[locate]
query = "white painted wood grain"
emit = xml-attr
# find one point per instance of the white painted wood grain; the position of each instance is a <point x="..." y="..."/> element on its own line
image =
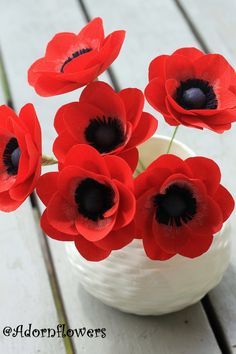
<point x="153" y="27"/>
<point x="25" y="294"/>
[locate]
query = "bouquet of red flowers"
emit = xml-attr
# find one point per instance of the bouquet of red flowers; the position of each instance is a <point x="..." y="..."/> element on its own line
<point x="98" y="197"/>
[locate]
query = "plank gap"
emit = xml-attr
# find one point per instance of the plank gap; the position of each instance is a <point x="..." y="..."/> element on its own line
<point x="192" y="27"/>
<point x="110" y="71"/>
<point x="53" y="280"/>
<point x="216" y="326"/>
<point x="5" y="83"/>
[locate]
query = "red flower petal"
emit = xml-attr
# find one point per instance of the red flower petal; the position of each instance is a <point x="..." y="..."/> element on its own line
<point x="190" y="52"/>
<point x="62" y="144"/>
<point x="157" y="67"/>
<point x="61" y="45"/>
<point x="59" y="123"/>
<point x="47" y="186"/>
<point x="81" y="63"/>
<point x="22" y="190"/>
<point x="170" y="238"/>
<point x="179" y="67"/>
<point x="150" y="179"/>
<point x="131" y="157"/>
<point x="196" y="245"/>
<point x="88" y="158"/>
<point x="29" y="159"/>
<point x="144" y="214"/>
<point x="110" y="49"/>
<point x="6" y="181"/>
<point x="171" y="162"/>
<point x="51" y="231"/>
<point x="77" y="117"/>
<point x="112" y="106"/>
<point x="146" y="127"/>
<point x="226" y="99"/>
<point x="92" y="32"/>
<point x="118" y="239"/>
<point x="208" y="218"/>
<point x="206" y="170"/>
<point x="28" y="116"/>
<point x="8" y="204"/>
<point x="42" y="66"/>
<point x="127" y="204"/>
<point x="153" y="250"/>
<point x="213" y="67"/>
<point x="225" y="201"/>
<point x="220" y="119"/>
<point x="133" y="101"/>
<point x="90" y="251"/>
<point x="62" y="215"/>
<point x="155" y="93"/>
<point x="94" y="230"/>
<point x="49" y="84"/>
<point x="119" y="170"/>
<point x="171" y="120"/>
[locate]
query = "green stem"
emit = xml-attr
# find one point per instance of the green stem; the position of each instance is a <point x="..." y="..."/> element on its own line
<point x="48" y="160"/>
<point x="172" y="139"/>
<point x="141" y="165"/>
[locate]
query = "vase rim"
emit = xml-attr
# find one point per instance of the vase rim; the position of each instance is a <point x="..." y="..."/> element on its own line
<point x="175" y="142"/>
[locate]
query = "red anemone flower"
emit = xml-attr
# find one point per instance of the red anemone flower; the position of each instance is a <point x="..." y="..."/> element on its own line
<point x="180" y="205"/>
<point x="72" y="61"/>
<point x="113" y="123"/>
<point x="192" y="88"/>
<point x="20" y="149"/>
<point x="90" y="201"/>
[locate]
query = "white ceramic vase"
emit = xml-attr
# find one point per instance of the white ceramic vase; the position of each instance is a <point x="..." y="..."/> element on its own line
<point x="131" y="282"/>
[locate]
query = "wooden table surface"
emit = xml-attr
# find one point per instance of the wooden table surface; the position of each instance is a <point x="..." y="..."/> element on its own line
<point x="38" y="285"/>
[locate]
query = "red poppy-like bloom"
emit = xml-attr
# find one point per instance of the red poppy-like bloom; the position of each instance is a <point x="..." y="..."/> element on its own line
<point x="90" y="201"/>
<point x="192" y="88"/>
<point x="72" y="60"/>
<point x="112" y="122"/>
<point x="20" y="149"/>
<point x="180" y="206"/>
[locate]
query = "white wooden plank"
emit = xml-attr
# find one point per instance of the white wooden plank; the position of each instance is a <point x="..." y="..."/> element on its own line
<point x="215" y="22"/>
<point x="25" y="295"/>
<point x="155" y="25"/>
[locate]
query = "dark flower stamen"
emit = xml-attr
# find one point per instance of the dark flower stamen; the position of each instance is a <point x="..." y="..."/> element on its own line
<point x="105" y="134"/>
<point x="75" y="55"/>
<point x="176" y="206"/>
<point x="196" y="94"/>
<point x="93" y="199"/>
<point x="11" y="156"/>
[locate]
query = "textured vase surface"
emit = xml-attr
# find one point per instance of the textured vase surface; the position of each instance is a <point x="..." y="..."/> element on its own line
<point x="131" y="282"/>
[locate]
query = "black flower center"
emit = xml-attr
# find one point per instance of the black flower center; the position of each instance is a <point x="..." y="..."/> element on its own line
<point x="105" y="134"/>
<point x="75" y="55"/>
<point x="11" y="156"/>
<point x="176" y="206"/>
<point x="196" y="94"/>
<point x="93" y="199"/>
